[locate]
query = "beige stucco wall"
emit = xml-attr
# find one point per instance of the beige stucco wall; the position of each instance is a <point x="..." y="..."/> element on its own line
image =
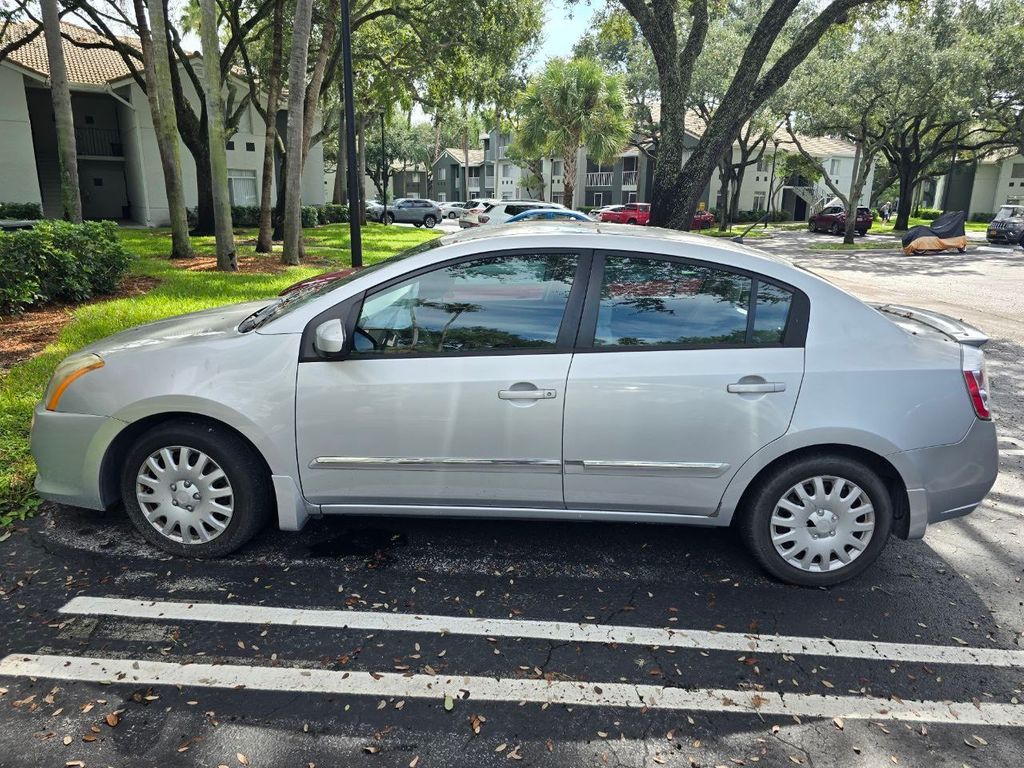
<point x="19" y="182"/>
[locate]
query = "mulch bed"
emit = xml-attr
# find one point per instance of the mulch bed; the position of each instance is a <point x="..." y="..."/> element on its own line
<point x="22" y="336"/>
<point x="247" y="264"/>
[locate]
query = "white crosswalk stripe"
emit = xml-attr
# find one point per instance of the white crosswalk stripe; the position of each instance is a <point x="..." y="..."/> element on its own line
<point x="477" y="689"/>
<point x="544" y="630"/>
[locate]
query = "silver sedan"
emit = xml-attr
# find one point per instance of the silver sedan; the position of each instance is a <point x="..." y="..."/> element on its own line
<point x="551" y="371"/>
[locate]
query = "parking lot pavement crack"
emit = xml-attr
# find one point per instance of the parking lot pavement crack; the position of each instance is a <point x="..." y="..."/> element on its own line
<point x="807" y="755"/>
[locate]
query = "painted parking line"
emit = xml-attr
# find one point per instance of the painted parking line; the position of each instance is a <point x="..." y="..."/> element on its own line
<point x="476" y="689"/>
<point x="543" y="630"/>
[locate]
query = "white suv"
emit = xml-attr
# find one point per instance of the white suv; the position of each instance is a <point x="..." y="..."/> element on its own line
<point x="500" y="211"/>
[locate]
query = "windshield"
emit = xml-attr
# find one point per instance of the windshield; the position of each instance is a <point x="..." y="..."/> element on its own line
<point x="303" y="296"/>
<point x="1009" y="212"/>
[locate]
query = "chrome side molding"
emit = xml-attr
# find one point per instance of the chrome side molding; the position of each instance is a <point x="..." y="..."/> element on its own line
<point x="679" y="468"/>
<point x="545" y="466"/>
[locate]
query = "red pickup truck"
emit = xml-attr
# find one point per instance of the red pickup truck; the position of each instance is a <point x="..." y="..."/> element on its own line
<point x="640" y="213"/>
<point x="832" y="219"/>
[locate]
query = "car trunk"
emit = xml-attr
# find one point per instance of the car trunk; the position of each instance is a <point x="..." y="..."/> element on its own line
<point x="925" y="322"/>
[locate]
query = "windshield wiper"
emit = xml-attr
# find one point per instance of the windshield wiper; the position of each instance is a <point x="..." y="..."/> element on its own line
<point x="260" y="316"/>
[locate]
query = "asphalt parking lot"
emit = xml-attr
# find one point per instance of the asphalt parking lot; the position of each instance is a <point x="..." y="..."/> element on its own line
<point x="398" y="642"/>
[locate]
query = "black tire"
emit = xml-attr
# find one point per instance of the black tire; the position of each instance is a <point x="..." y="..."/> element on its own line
<point x="249" y="482"/>
<point x="861" y="232"/>
<point x="452" y="215"/>
<point x="834" y="229"/>
<point x="811" y="226"/>
<point x="417" y="224"/>
<point x="631" y="221"/>
<point x="390" y="218"/>
<point x="429" y="221"/>
<point x="755" y="520"/>
<point x="961" y="250"/>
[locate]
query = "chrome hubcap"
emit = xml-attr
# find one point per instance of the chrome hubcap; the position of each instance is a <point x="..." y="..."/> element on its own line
<point x="822" y="524"/>
<point x="185" y="495"/>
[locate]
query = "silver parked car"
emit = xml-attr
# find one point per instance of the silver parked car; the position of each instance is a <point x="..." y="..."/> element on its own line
<point x="542" y="371"/>
<point x="406" y="210"/>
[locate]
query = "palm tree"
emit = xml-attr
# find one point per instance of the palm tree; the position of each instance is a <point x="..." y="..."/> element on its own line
<point x="60" y="92"/>
<point x="226" y="257"/>
<point x="572" y="104"/>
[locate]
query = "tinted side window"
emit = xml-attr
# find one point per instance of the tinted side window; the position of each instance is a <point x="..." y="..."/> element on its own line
<point x="771" y="314"/>
<point x="511" y="302"/>
<point x="647" y="302"/>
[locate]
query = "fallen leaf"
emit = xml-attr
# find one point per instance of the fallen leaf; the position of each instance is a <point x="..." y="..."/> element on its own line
<point x="112" y="719"/>
<point x="838" y="723"/>
<point x="242" y="758"/>
<point x="67" y="740"/>
<point x="501" y="747"/>
<point x="373" y="750"/>
<point x="449" y="702"/>
<point x="414" y="762"/>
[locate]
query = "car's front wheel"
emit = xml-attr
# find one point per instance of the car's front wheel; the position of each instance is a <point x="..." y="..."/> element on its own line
<point x="429" y="221"/>
<point x="194" y="489"/>
<point x="811" y="226"/>
<point x="818" y="521"/>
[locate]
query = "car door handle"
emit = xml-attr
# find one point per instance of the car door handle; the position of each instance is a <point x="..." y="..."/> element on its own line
<point x="526" y="394"/>
<point x="756" y="388"/>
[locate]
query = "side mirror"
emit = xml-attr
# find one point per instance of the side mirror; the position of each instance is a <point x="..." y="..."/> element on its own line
<point x="330" y="337"/>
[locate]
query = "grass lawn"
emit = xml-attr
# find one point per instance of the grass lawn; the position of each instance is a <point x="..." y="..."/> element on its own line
<point x="179" y="291"/>
<point x="867" y="245"/>
<point x="737" y="230"/>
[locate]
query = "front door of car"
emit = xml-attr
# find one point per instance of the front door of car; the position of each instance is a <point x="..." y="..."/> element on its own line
<point x="404" y="211"/>
<point x="451" y="391"/>
<point x="684" y="371"/>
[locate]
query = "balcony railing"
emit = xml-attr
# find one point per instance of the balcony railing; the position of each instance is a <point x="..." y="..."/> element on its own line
<point x="100" y="142"/>
<point x="630" y="178"/>
<point x="474" y="183"/>
<point x="599" y="179"/>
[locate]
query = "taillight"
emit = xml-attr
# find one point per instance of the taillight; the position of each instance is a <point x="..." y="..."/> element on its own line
<point x="483" y="219"/>
<point x="977" y="389"/>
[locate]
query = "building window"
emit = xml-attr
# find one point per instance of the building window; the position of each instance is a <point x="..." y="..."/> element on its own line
<point x="442" y="197"/>
<point x="556" y="197"/>
<point x="1017" y="171"/>
<point x="97" y="182"/>
<point x="556" y="168"/>
<point x="631" y="197"/>
<point x="598" y="199"/>
<point x="231" y="145"/>
<point x="833" y="167"/>
<point x="441" y="173"/>
<point x="759" y="200"/>
<point x="242" y="186"/>
<point x="762" y="164"/>
<point x="506" y="171"/>
<point x="250" y="146"/>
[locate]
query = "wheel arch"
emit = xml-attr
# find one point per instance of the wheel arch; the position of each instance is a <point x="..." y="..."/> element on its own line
<point x="117" y="450"/>
<point x="737" y="496"/>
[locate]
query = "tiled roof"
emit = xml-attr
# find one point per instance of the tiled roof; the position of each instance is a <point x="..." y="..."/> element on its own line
<point x="86" y="66"/>
<point x="476" y="156"/>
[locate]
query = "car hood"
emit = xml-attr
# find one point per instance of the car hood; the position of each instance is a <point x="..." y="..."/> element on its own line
<point x="183" y="329"/>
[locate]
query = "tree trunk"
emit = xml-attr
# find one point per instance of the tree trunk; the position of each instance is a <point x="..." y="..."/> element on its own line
<point x="569" y="177"/>
<point x="226" y="257"/>
<point x="312" y="96"/>
<point x="361" y="162"/>
<point x="265" y="239"/>
<point x="60" y="93"/>
<point x="905" y="202"/>
<point x="682" y="192"/>
<point x="667" y="182"/>
<point x="722" y="209"/>
<point x="341" y="175"/>
<point x="165" y="122"/>
<point x="737" y="187"/>
<point x="294" y="137"/>
<point x="855" y="188"/>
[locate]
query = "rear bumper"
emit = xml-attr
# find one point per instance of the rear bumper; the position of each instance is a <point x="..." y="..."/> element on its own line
<point x="948" y="481"/>
<point x="68" y="449"/>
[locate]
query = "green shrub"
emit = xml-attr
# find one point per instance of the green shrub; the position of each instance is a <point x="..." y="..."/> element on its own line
<point x="332" y="213"/>
<point x="982" y="216"/>
<point x="20" y="211"/>
<point x="310" y="216"/>
<point x="927" y="214"/>
<point x="57" y="260"/>
<point x="245" y="215"/>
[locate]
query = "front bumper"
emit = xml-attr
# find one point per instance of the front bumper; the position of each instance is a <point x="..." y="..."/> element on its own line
<point x="1010" y="236"/>
<point x="951" y="480"/>
<point x="68" y="449"/>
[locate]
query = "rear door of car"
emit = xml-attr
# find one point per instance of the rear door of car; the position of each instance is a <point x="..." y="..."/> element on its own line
<point x="683" y="370"/>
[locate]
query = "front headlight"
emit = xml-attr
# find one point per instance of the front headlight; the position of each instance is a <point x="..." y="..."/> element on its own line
<point x="72" y="368"/>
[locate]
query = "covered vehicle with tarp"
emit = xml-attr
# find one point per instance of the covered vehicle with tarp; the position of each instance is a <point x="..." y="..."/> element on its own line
<point x="943" y="234"/>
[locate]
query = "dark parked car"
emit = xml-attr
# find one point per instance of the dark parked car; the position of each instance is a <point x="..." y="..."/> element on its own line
<point x="407" y="210"/>
<point x="832" y="219"/>
<point x="1007" y="226"/>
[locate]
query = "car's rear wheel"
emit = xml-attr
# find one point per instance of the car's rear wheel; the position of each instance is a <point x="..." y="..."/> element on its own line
<point x="631" y="221"/>
<point x="452" y="215"/>
<point x="834" y="229"/>
<point x="861" y="232"/>
<point x="389" y="218"/>
<point x="818" y="521"/>
<point x="429" y="221"/>
<point x="194" y="489"/>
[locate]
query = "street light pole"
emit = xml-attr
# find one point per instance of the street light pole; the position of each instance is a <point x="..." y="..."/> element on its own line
<point x="354" y="198"/>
